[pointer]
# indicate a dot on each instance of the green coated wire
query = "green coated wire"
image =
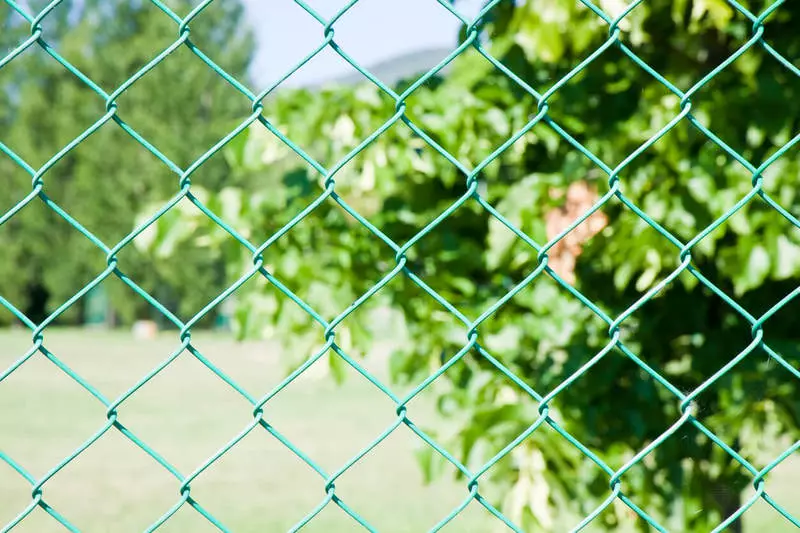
(545, 421)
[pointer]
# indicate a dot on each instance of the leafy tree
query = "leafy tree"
(181, 107)
(545, 334)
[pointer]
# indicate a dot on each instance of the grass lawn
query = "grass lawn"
(186, 413)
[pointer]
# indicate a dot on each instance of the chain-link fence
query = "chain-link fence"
(472, 194)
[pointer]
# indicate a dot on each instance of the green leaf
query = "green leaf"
(756, 270)
(337, 366)
(431, 463)
(788, 258)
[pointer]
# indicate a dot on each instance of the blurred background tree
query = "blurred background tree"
(544, 333)
(108, 179)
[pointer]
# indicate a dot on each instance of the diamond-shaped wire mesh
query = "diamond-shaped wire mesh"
(472, 193)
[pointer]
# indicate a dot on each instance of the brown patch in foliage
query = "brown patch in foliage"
(580, 197)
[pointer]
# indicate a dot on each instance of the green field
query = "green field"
(186, 413)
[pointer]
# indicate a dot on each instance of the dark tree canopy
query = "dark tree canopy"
(181, 107)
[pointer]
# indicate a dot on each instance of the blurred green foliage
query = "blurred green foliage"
(181, 107)
(545, 334)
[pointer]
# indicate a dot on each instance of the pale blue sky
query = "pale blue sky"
(371, 31)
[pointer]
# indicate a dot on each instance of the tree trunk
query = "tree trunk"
(728, 502)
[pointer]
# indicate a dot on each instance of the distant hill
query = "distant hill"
(395, 69)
